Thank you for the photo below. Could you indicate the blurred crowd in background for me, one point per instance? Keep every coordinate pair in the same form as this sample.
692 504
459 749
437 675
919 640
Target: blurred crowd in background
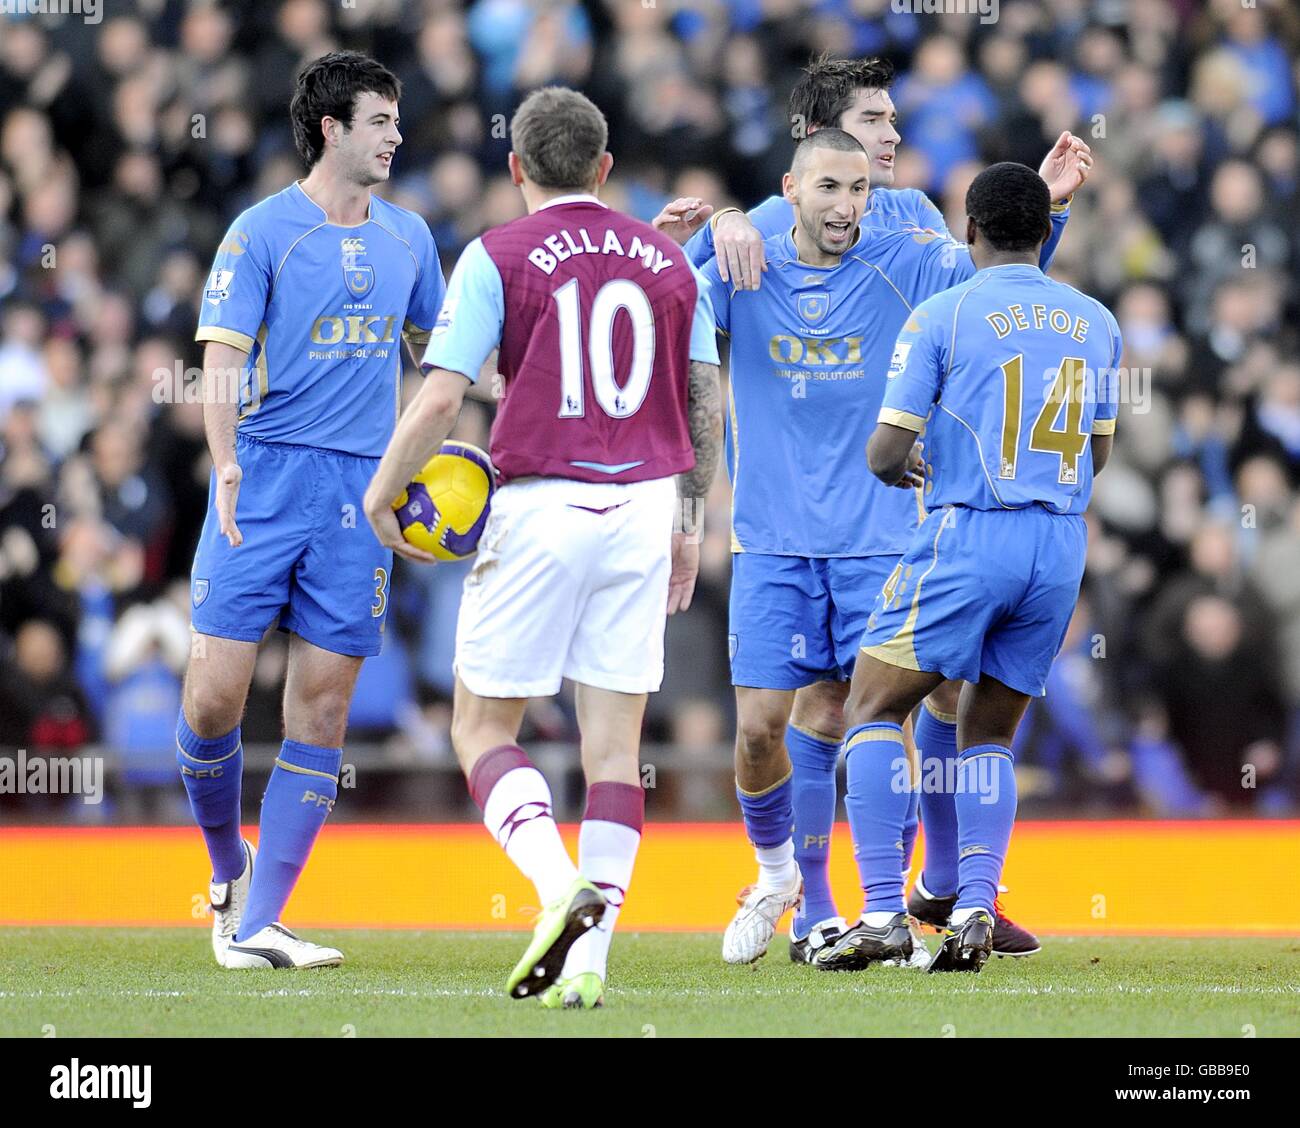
128 146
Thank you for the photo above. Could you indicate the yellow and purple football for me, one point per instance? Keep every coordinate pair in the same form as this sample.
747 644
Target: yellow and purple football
443 511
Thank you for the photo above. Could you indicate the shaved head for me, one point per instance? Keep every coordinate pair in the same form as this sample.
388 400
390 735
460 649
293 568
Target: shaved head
821 140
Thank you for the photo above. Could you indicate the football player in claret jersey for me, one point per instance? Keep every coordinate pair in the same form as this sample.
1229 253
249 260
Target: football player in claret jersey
303 318
611 413
853 95
1012 380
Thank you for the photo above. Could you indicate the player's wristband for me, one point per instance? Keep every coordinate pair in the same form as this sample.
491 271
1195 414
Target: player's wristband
1063 205
713 219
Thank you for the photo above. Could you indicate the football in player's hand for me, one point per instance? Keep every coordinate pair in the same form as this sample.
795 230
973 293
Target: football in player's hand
444 510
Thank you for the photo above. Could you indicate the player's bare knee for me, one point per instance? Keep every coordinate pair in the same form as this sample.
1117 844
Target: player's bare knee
320 719
211 708
762 736
873 702
819 710
471 736
944 698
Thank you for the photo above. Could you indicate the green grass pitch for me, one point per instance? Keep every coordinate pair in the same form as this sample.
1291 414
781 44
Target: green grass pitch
163 982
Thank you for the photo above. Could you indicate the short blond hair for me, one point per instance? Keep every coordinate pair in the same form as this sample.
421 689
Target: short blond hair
559 137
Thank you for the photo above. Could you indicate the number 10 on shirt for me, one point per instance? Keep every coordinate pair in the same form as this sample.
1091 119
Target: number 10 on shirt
618 295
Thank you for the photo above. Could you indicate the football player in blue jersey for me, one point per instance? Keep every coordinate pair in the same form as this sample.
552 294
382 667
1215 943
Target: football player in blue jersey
853 95
310 298
1012 378
814 537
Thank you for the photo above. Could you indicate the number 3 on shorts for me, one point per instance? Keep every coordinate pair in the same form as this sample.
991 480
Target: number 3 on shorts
381 594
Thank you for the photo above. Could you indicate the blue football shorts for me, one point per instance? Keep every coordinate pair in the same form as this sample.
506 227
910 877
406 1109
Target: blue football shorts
982 591
309 556
796 620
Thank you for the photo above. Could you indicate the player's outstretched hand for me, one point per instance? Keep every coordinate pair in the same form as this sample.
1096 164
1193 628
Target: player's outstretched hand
1067 166
739 247
682 218
914 475
686 567
389 533
228 479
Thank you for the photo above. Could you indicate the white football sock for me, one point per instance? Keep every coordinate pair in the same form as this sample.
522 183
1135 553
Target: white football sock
606 855
776 866
518 814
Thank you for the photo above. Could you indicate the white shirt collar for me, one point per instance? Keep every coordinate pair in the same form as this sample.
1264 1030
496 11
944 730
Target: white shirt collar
576 198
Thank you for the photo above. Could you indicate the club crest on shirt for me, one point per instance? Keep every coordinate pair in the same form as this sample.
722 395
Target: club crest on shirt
201 589
814 307
359 277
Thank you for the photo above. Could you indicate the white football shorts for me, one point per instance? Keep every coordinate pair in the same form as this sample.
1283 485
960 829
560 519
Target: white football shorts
571 581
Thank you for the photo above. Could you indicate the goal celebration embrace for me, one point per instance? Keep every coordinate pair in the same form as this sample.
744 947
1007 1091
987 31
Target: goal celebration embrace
584 518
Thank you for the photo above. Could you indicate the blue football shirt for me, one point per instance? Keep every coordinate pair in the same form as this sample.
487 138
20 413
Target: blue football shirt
1007 375
809 353
321 310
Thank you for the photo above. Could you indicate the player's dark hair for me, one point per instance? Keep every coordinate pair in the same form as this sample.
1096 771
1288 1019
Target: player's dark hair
329 87
559 137
828 87
834 139
1011 206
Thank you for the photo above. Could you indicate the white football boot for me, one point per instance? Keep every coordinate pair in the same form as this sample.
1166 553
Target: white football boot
752 928
276 946
228 899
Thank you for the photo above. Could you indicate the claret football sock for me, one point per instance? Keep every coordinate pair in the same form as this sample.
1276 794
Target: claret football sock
936 740
812 762
986 811
516 803
878 794
769 816
212 771
299 797
607 845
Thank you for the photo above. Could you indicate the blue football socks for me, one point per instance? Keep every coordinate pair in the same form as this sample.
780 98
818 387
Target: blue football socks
936 741
212 771
769 814
986 811
878 794
813 797
299 796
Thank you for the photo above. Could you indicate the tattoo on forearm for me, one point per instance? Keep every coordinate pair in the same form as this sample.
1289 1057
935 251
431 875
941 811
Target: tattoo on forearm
705 412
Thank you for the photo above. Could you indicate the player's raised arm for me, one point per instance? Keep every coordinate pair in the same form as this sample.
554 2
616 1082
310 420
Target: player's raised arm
1066 167
681 218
